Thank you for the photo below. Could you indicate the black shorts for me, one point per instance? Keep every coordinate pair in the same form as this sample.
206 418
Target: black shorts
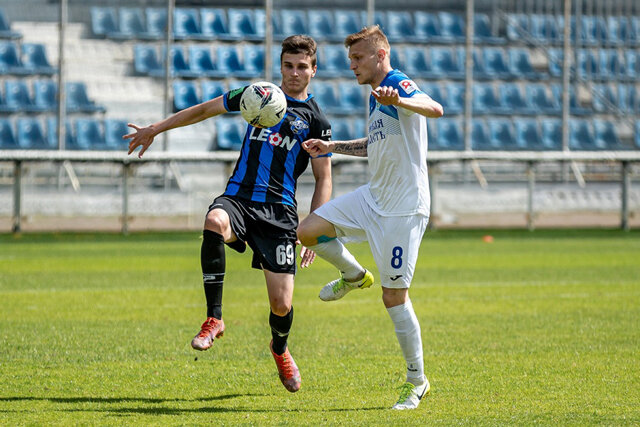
268 228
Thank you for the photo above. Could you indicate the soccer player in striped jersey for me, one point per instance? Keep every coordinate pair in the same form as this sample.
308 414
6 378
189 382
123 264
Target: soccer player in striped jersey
391 212
258 206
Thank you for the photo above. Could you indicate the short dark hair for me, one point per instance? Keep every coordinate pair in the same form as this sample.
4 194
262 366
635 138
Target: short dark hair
300 44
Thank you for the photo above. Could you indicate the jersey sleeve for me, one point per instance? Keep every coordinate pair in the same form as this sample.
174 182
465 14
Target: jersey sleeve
321 129
232 98
407 88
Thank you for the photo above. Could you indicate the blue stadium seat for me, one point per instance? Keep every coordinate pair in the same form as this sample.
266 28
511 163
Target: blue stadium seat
379 18
114 130
253 59
574 107
496 63
480 139
89 133
186 24
540 101
545 28
34 59
482 30
513 100
518 26
426 27
17 97
333 62
228 61
230 133
581 135
78 99
185 94
359 128
605 98
449 136
454 101
350 97
5 28
400 27
31 135
341 130
52 135
326 96
292 21
551 134
611 65
627 99
632 61
3 105
103 21
445 63
8 139
606 135
594 30
10 59
416 64
555 58
146 62
528 136
347 22
131 23
619 30
503 135
242 24
520 65
588 67
485 100
433 90
396 59
213 23
452 27
156 22
211 89
45 95
179 65
201 62
321 26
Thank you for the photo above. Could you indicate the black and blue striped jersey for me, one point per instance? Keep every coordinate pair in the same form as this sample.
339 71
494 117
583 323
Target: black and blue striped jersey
272 159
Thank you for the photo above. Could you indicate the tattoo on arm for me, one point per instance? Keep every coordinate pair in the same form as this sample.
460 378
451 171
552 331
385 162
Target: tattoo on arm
356 147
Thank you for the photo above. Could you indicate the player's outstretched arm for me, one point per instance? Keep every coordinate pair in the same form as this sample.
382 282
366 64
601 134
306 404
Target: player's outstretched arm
421 104
356 147
143 136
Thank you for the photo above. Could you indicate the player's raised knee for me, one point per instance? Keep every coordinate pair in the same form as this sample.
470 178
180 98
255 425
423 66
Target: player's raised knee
215 223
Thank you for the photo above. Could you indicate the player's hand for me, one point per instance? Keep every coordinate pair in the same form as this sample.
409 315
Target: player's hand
386 95
316 147
307 256
142 137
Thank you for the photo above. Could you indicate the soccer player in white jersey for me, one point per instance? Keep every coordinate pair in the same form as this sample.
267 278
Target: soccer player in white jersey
391 212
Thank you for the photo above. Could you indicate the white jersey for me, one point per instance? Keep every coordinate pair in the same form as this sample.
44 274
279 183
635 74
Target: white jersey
397 154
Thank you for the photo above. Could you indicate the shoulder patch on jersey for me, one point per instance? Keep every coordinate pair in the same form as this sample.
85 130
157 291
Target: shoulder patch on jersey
408 86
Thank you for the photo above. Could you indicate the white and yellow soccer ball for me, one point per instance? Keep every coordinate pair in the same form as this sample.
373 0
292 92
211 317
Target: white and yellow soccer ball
263 105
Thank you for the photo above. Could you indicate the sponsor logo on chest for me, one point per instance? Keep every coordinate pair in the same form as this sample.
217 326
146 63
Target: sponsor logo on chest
273 138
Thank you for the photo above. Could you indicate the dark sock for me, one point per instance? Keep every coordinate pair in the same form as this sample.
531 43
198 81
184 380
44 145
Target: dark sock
212 261
280 327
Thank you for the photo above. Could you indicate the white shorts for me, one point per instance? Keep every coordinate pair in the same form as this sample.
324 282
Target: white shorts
394 240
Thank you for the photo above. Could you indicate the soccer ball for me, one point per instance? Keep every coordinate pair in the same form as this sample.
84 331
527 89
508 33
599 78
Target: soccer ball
263 105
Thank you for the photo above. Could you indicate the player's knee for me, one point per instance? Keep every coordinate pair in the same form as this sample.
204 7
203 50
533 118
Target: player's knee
214 223
394 297
305 236
280 307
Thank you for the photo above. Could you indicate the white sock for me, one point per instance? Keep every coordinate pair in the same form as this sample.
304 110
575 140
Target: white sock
408 333
337 254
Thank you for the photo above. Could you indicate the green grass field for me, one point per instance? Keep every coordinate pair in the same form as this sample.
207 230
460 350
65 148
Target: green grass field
534 328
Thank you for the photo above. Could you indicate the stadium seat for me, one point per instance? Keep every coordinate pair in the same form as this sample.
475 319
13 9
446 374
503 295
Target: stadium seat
480 139
632 62
520 65
482 30
179 65
185 94
588 67
131 23
292 21
433 90
611 65
449 136
201 62
606 135
513 101
34 59
78 100
347 22
186 24
594 30
518 26
89 133
341 130
211 89
8 139
605 98
454 101
350 97
156 22
3 105
555 59
253 59
52 135
502 134
545 29
114 130
416 64
496 64
574 107
10 59
230 133
627 99
581 135
213 23
551 134
540 101
321 25
327 98
242 24
5 28
400 27
452 27
396 59
228 61
146 62
528 136
45 94
31 135
445 63
17 97
333 62
103 21
485 100
426 27
359 128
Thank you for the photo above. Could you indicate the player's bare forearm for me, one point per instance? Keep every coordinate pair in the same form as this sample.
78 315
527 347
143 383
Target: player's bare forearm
421 104
322 173
356 147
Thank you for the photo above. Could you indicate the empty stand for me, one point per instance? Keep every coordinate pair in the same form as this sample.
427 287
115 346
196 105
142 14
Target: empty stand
229 133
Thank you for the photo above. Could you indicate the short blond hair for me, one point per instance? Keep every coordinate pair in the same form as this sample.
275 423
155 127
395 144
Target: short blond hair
371 35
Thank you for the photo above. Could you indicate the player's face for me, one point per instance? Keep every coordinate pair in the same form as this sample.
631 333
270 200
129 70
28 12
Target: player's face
364 62
296 71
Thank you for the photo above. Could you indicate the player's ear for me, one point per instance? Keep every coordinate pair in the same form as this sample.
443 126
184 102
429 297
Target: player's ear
382 54
314 71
